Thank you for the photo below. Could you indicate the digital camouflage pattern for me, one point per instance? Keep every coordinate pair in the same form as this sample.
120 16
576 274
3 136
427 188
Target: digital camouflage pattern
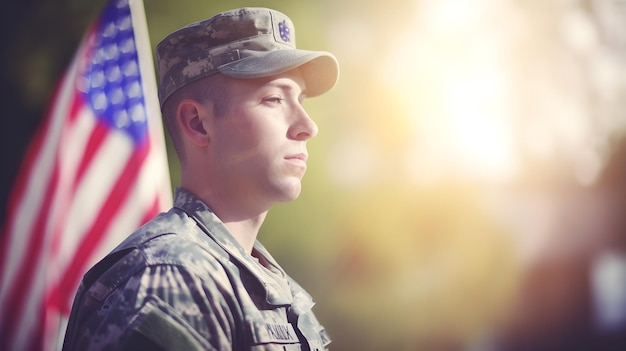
182 282
241 43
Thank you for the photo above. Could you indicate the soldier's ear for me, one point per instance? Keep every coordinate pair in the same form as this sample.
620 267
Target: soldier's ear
192 118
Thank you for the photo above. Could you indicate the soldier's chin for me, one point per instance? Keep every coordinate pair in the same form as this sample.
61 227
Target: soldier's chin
292 190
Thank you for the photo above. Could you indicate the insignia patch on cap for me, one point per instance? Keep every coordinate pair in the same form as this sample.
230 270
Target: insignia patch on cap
283 29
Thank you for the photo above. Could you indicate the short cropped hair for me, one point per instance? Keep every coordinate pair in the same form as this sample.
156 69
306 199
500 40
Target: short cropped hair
215 88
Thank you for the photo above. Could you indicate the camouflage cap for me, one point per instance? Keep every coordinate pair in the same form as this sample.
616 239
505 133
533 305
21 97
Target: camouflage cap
241 43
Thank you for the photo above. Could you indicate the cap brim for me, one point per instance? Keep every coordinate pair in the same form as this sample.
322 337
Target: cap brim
320 69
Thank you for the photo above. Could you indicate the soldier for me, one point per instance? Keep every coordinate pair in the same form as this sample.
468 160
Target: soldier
196 278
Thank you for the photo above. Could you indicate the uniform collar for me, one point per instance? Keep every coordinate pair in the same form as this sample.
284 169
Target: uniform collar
265 268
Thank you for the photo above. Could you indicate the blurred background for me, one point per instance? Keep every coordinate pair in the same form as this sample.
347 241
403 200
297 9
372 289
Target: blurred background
467 189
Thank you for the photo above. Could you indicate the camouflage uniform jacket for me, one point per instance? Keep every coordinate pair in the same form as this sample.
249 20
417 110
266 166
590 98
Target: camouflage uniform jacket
182 282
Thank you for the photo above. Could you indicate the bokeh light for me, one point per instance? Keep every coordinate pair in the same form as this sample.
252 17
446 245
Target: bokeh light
467 188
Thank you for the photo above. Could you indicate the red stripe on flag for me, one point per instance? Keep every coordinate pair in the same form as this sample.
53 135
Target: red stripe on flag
23 177
96 139
111 206
19 293
94 142
152 210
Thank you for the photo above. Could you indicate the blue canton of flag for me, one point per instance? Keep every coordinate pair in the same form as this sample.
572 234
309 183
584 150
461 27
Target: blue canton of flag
112 78
283 29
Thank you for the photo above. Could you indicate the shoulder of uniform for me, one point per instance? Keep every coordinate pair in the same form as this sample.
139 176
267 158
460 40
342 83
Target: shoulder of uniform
171 238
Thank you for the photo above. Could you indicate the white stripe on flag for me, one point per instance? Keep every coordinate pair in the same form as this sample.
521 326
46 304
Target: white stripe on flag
92 191
71 152
20 232
30 316
86 206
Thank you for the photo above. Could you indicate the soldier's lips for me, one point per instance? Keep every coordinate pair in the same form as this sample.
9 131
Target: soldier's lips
297 159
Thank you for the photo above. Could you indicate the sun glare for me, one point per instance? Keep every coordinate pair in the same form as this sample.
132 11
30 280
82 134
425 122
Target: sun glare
450 77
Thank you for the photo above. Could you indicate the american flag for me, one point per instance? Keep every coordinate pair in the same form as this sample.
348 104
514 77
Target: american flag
95 171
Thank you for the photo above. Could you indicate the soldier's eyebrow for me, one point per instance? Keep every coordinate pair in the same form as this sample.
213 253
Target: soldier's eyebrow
288 87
